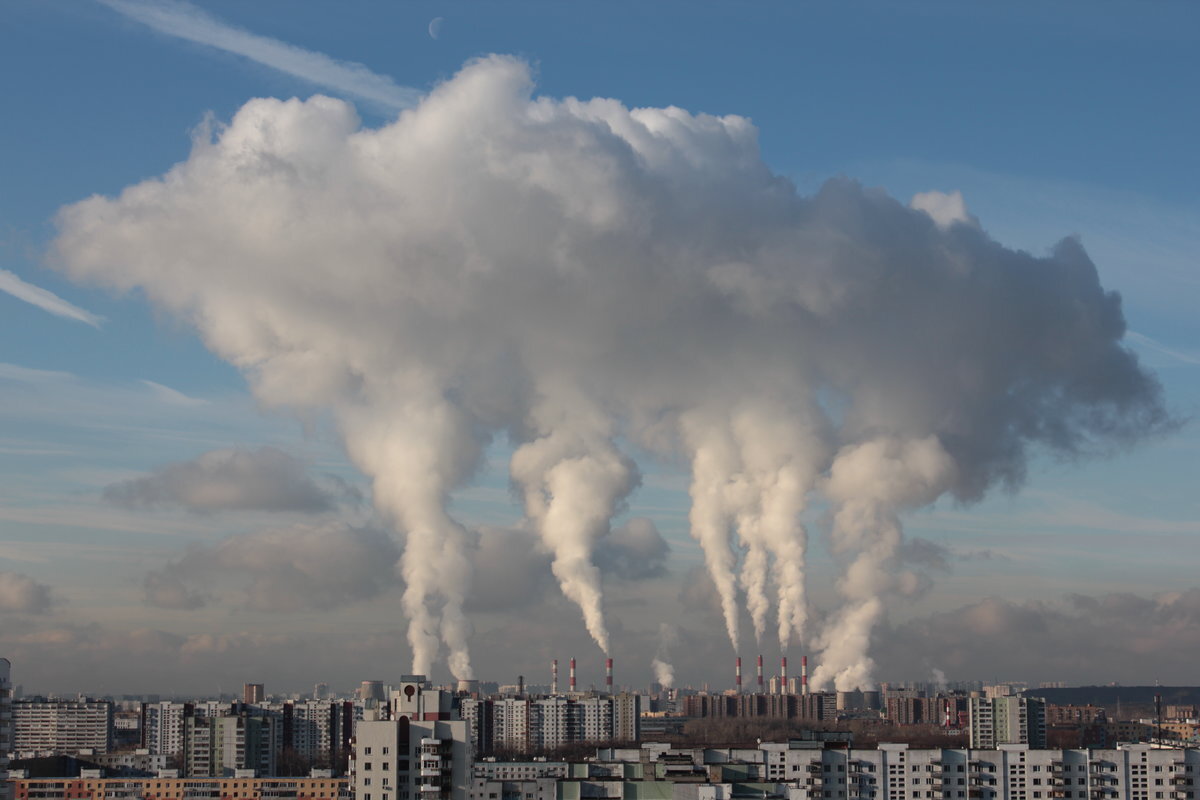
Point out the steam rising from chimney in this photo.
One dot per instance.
(583, 277)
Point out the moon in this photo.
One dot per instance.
(435, 27)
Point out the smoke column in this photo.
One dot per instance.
(872, 482)
(574, 478)
(579, 277)
(664, 672)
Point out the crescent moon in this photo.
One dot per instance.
(435, 27)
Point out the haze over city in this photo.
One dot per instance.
(341, 343)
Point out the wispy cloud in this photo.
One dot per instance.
(173, 396)
(45, 299)
(185, 21)
(1158, 347)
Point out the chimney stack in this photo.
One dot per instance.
(608, 675)
(760, 674)
(783, 684)
(571, 676)
(737, 675)
(554, 676)
(803, 674)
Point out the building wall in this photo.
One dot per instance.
(62, 726)
(180, 788)
(409, 758)
(6, 725)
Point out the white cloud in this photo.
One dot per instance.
(266, 479)
(315, 567)
(186, 21)
(22, 594)
(45, 299)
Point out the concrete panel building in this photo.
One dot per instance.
(6, 725)
(62, 726)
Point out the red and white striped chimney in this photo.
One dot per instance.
(783, 687)
(554, 676)
(571, 676)
(608, 675)
(803, 674)
(760, 675)
(737, 675)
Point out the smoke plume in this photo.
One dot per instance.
(664, 671)
(587, 278)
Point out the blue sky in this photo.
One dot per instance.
(1072, 119)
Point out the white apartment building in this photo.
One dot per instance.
(808, 771)
(6, 726)
(62, 726)
(162, 727)
(416, 754)
(1007, 720)
(510, 724)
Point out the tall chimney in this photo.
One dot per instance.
(760, 675)
(803, 674)
(737, 675)
(608, 675)
(571, 676)
(783, 686)
(521, 685)
(554, 676)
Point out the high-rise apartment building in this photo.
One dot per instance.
(253, 693)
(6, 726)
(62, 726)
(163, 727)
(1007, 720)
(416, 753)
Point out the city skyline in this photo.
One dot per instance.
(164, 527)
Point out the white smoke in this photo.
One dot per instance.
(584, 278)
(664, 672)
(573, 479)
(872, 482)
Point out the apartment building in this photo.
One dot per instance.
(6, 725)
(62, 726)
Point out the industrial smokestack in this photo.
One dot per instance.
(571, 676)
(608, 675)
(783, 684)
(760, 674)
(803, 674)
(554, 676)
(737, 675)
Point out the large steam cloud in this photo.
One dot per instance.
(581, 277)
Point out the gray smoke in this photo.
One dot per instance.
(583, 277)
